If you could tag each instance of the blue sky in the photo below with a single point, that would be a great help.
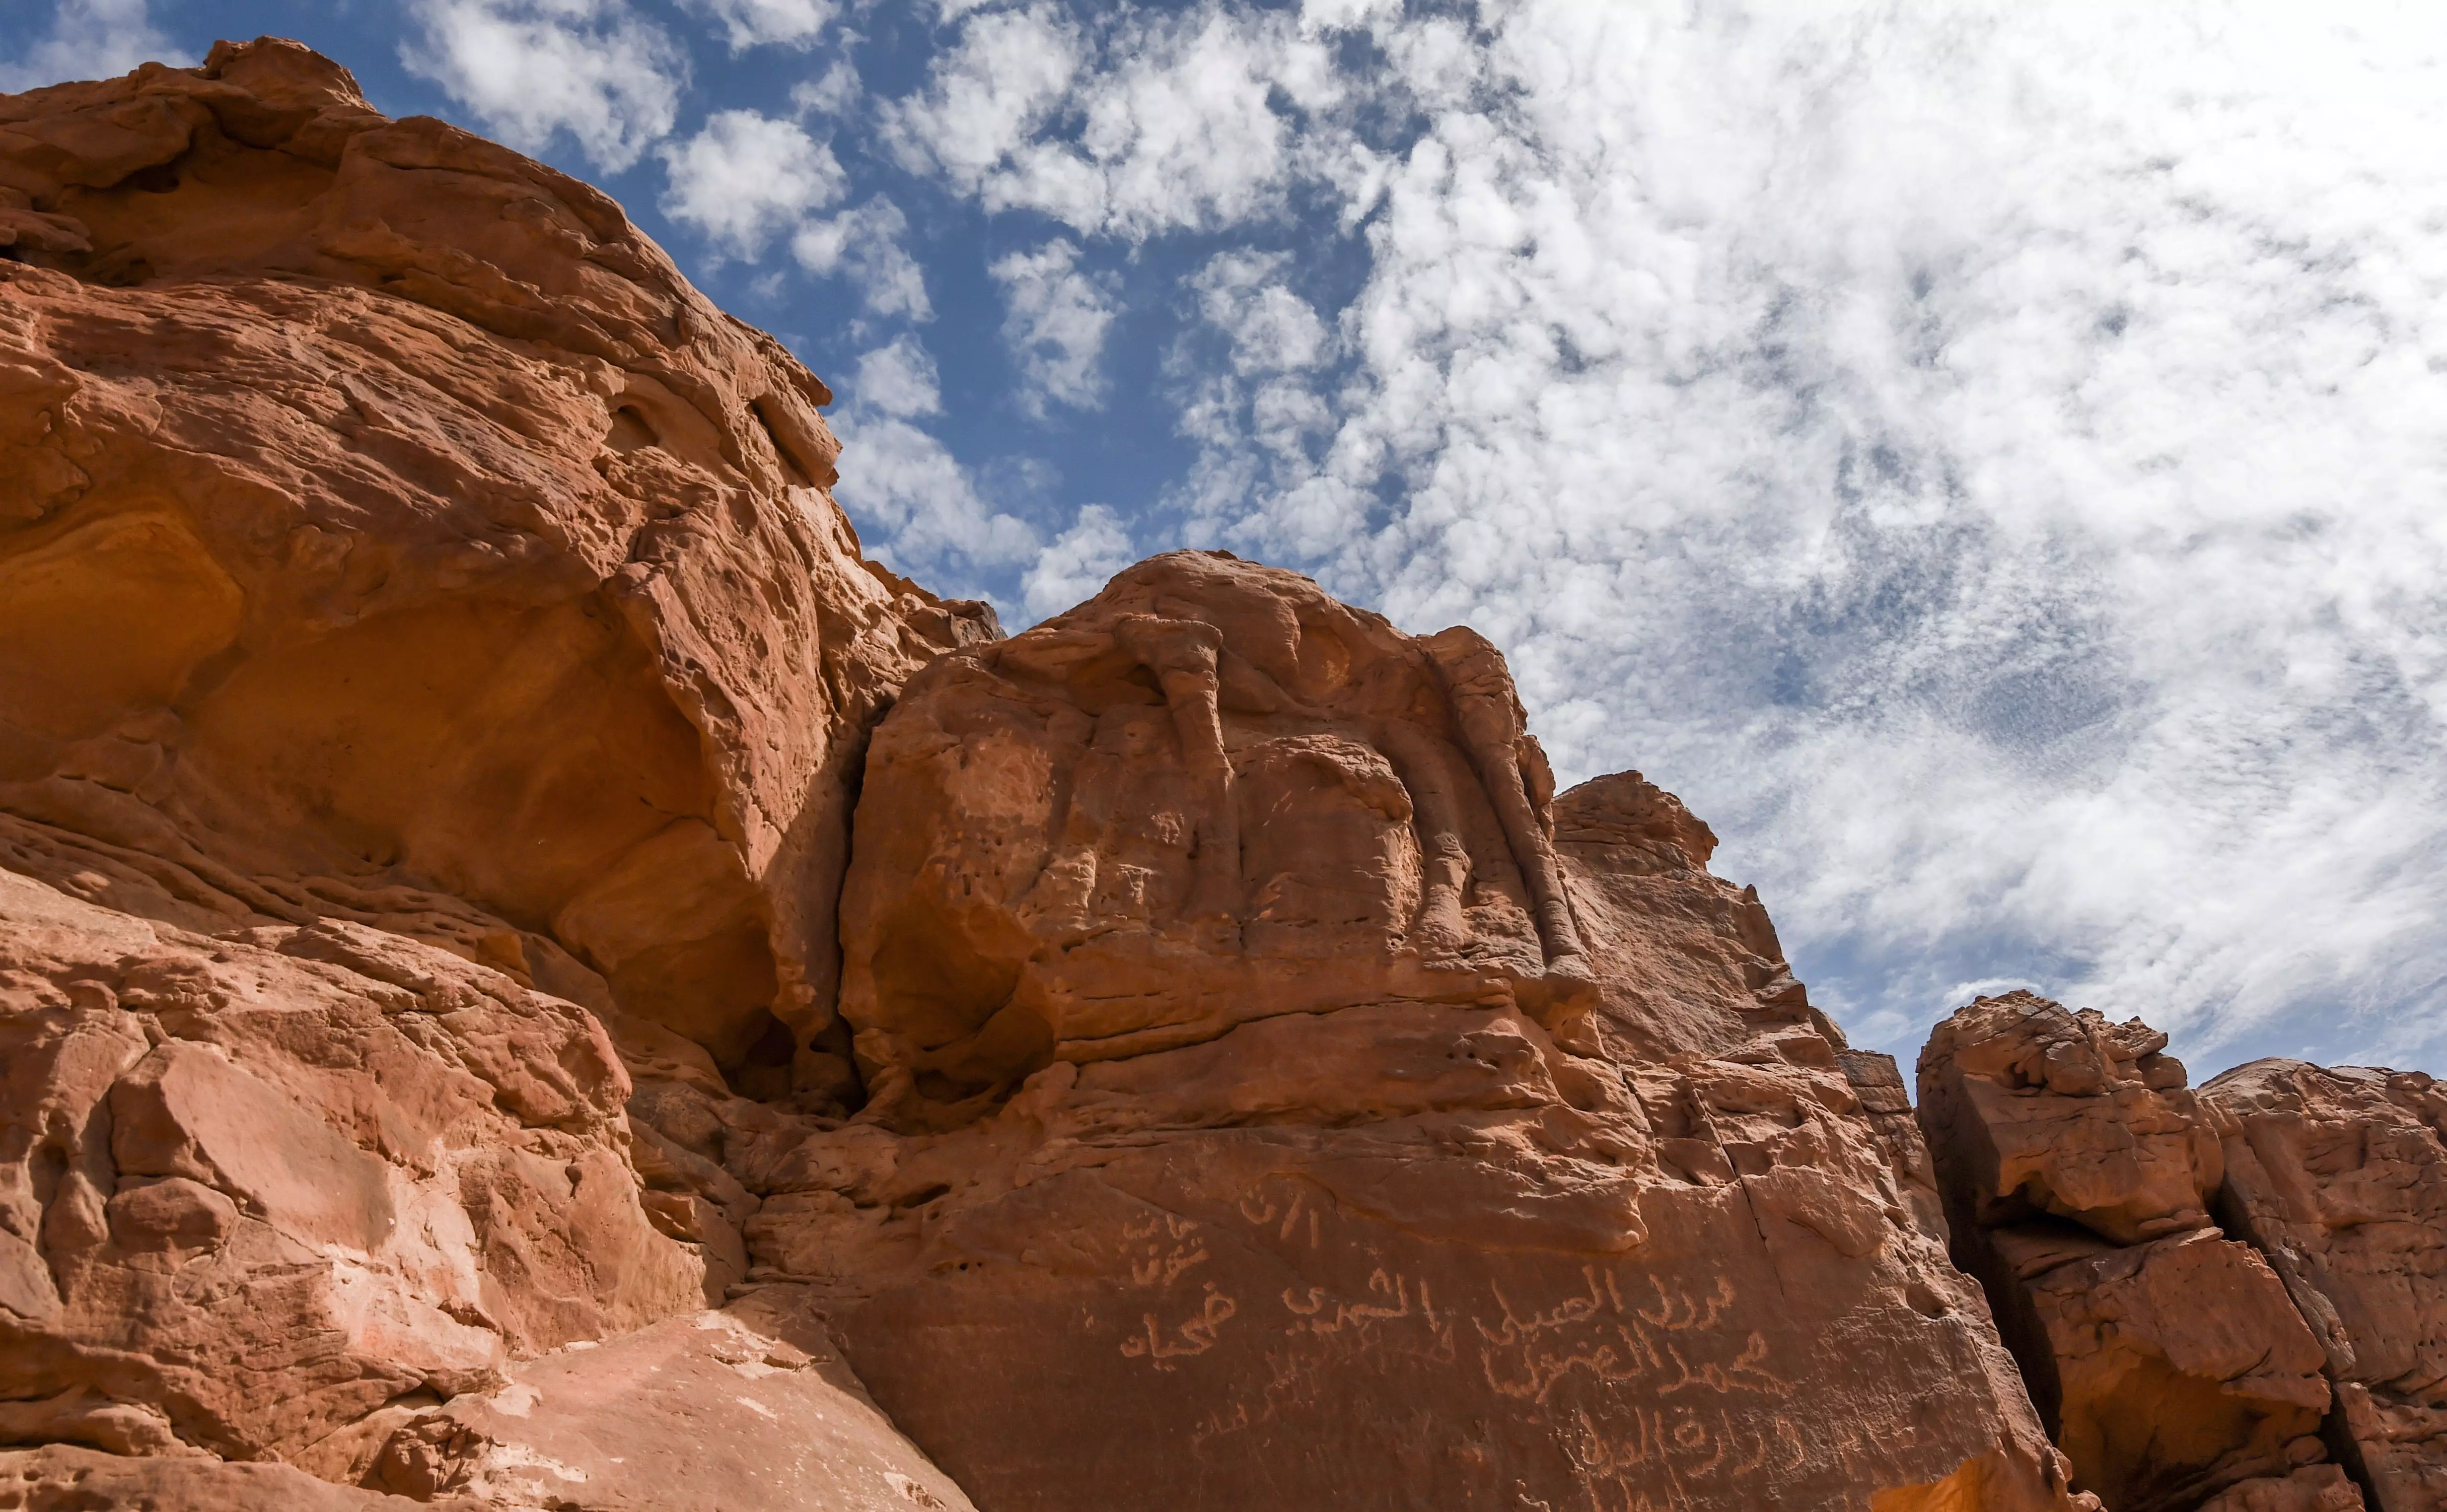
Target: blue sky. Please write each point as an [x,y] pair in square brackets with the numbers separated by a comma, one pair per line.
[1991,461]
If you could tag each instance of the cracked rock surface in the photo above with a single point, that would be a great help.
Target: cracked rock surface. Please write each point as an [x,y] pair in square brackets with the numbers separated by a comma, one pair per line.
[2230,1298]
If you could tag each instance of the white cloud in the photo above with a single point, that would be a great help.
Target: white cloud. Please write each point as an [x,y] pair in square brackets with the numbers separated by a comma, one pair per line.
[829,93]
[917,509]
[899,379]
[865,242]
[1257,415]
[754,23]
[746,177]
[1146,125]
[1055,321]
[87,39]
[1988,462]
[1078,562]
[994,89]
[531,69]
[1271,329]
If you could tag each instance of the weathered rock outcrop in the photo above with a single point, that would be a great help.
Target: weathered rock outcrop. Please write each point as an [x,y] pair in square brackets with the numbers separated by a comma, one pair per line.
[389,532]
[255,1188]
[2078,1173]
[1237,1006]
[420,616]
[2339,1177]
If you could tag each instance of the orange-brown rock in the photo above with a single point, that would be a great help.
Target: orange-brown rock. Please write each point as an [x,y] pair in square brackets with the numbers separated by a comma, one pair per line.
[715,1412]
[255,1188]
[2076,1170]
[58,1478]
[2034,1111]
[389,532]
[1279,1097]
[425,640]
[2339,1177]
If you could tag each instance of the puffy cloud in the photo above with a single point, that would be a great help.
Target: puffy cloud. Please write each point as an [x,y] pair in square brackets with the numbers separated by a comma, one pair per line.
[916,505]
[1143,125]
[1054,323]
[829,93]
[899,379]
[865,242]
[1988,462]
[990,92]
[87,39]
[1078,562]
[918,509]
[1256,412]
[1271,329]
[752,22]
[745,176]
[531,69]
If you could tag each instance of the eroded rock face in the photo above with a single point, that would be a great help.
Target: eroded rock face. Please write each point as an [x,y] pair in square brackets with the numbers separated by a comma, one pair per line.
[715,1412]
[389,532]
[255,1188]
[2077,1171]
[2339,1175]
[1371,1127]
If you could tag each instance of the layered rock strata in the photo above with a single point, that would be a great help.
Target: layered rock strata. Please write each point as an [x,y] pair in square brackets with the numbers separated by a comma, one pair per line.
[425,641]
[389,532]
[2168,1357]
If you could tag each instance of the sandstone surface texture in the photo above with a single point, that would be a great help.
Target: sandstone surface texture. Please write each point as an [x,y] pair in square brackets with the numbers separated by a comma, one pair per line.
[2340,1176]
[2233,1294]
[533,976]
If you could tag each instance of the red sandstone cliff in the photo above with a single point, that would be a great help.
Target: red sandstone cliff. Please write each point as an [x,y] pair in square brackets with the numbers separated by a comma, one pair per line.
[531,974]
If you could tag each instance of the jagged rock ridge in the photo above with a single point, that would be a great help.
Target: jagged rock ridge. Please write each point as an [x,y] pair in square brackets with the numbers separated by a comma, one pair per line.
[532,974]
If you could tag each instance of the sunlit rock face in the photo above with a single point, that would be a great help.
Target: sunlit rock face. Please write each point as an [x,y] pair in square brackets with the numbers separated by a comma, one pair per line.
[1266,1067]
[2339,1175]
[389,532]
[2227,1299]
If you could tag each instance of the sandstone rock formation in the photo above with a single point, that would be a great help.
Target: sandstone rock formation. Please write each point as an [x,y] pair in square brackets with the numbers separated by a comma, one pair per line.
[420,616]
[2078,1173]
[389,532]
[1237,1005]
[2339,1177]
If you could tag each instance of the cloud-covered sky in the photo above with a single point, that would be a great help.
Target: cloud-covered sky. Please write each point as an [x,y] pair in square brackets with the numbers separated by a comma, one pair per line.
[1991,461]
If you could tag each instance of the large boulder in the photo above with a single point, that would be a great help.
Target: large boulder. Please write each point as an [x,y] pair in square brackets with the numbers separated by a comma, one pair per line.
[1278,1096]
[2077,1170]
[256,1189]
[2340,1176]
[434,677]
